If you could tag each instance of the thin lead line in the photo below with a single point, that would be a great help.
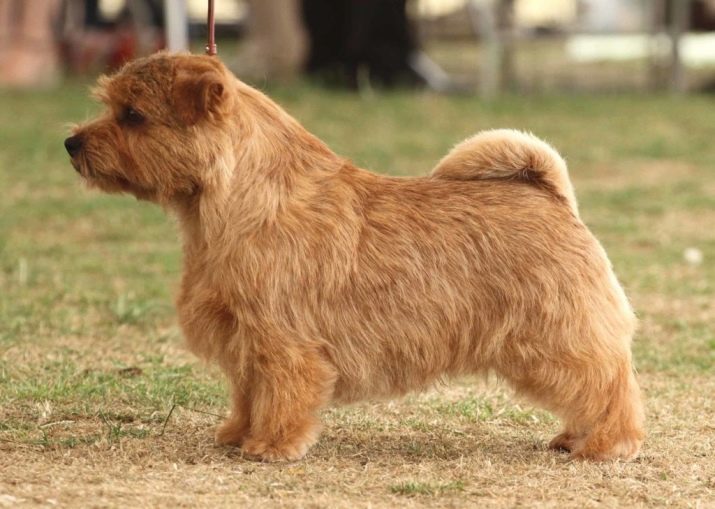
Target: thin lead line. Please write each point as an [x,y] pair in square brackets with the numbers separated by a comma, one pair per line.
[211,46]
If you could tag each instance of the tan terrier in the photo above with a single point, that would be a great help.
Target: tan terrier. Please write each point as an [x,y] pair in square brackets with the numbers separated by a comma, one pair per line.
[312,282]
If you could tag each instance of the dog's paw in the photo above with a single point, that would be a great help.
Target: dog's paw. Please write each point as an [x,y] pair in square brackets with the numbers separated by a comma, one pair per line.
[563,442]
[624,449]
[270,452]
[231,432]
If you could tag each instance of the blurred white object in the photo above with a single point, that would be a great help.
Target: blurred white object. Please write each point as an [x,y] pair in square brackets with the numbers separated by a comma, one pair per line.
[177,25]
[611,15]
[227,11]
[528,13]
[600,47]
[429,71]
[533,13]
[434,8]
[693,256]
[697,50]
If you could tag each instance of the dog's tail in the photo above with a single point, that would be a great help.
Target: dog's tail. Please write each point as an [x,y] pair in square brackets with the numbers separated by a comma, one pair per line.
[510,155]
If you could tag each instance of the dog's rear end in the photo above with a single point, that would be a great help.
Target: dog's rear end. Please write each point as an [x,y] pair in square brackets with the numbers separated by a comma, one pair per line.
[580,365]
[486,266]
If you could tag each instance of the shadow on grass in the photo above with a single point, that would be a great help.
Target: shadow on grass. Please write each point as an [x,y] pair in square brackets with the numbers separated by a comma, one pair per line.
[189,440]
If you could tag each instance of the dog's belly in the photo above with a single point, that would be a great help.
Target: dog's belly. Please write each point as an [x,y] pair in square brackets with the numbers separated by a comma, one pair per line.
[384,354]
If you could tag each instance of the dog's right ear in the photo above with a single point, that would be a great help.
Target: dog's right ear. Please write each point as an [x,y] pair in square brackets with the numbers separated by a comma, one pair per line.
[199,95]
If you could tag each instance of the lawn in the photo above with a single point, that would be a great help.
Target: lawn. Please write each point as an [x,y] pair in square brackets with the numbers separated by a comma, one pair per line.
[101,405]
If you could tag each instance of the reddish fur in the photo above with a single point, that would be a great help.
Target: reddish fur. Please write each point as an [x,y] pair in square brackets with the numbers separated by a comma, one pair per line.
[311,282]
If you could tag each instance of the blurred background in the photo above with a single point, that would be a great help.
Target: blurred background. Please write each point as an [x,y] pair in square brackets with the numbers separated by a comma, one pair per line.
[480,46]
[92,362]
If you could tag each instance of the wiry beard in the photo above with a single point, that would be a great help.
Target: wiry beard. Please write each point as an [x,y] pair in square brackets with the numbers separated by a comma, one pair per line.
[110,181]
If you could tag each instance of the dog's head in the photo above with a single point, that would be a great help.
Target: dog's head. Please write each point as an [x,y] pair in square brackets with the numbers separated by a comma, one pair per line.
[164,127]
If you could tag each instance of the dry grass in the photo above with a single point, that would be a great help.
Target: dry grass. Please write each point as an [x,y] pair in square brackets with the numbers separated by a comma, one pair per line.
[462,445]
[92,364]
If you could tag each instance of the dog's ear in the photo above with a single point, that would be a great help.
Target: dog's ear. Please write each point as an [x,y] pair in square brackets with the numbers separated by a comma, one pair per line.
[199,95]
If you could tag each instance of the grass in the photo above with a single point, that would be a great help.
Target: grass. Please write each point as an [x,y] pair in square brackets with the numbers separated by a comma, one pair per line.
[100,402]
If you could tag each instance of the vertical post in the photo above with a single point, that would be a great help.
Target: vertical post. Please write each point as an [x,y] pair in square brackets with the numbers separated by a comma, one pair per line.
[655,18]
[484,24]
[495,23]
[177,25]
[679,24]
[505,26]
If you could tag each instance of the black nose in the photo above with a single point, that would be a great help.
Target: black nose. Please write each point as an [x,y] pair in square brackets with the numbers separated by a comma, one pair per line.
[73,145]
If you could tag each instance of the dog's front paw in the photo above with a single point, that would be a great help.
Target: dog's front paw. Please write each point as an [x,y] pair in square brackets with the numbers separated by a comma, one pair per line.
[564,442]
[269,451]
[231,432]
[623,448]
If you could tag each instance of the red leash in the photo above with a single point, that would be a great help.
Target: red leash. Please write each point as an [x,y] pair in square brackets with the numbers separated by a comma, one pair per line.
[211,46]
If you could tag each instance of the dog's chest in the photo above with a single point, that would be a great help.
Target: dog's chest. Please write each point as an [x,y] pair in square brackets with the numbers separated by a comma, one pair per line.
[204,315]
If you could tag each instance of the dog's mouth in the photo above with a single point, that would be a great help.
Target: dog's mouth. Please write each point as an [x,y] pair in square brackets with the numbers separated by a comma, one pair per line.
[114,183]
[75,164]
[109,180]
[82,166]
[93,177]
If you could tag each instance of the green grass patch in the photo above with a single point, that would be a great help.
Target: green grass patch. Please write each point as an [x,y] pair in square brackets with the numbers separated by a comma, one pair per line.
[418,488]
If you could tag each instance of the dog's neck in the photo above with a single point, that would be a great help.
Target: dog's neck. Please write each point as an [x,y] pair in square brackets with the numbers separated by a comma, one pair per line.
[272,165]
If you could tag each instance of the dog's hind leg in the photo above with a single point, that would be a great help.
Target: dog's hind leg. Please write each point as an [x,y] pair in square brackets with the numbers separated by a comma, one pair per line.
[598,400]
[617,431]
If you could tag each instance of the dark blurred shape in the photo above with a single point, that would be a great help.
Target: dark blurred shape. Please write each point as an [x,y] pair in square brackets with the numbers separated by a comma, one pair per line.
[73,144]
[700,13]
[91,41]
[352,40]
[702,16]
[28,54]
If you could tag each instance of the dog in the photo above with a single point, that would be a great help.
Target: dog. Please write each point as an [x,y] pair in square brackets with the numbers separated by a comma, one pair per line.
[312,282]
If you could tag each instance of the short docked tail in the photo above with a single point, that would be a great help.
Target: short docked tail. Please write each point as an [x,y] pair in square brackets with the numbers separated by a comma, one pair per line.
[510,155]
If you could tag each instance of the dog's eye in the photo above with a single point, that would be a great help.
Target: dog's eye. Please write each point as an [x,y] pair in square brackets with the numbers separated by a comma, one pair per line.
[132,116]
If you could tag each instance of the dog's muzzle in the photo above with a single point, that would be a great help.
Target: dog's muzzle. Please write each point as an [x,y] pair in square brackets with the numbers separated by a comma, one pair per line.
[73,144]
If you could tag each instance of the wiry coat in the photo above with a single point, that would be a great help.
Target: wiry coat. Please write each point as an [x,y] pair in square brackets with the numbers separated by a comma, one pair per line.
[311,281]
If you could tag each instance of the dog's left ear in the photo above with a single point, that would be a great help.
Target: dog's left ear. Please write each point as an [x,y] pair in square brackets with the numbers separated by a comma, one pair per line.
[199,96]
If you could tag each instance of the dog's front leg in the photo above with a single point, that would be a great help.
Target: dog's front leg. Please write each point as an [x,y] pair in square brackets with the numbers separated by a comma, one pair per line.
[291,383]
[234,429]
